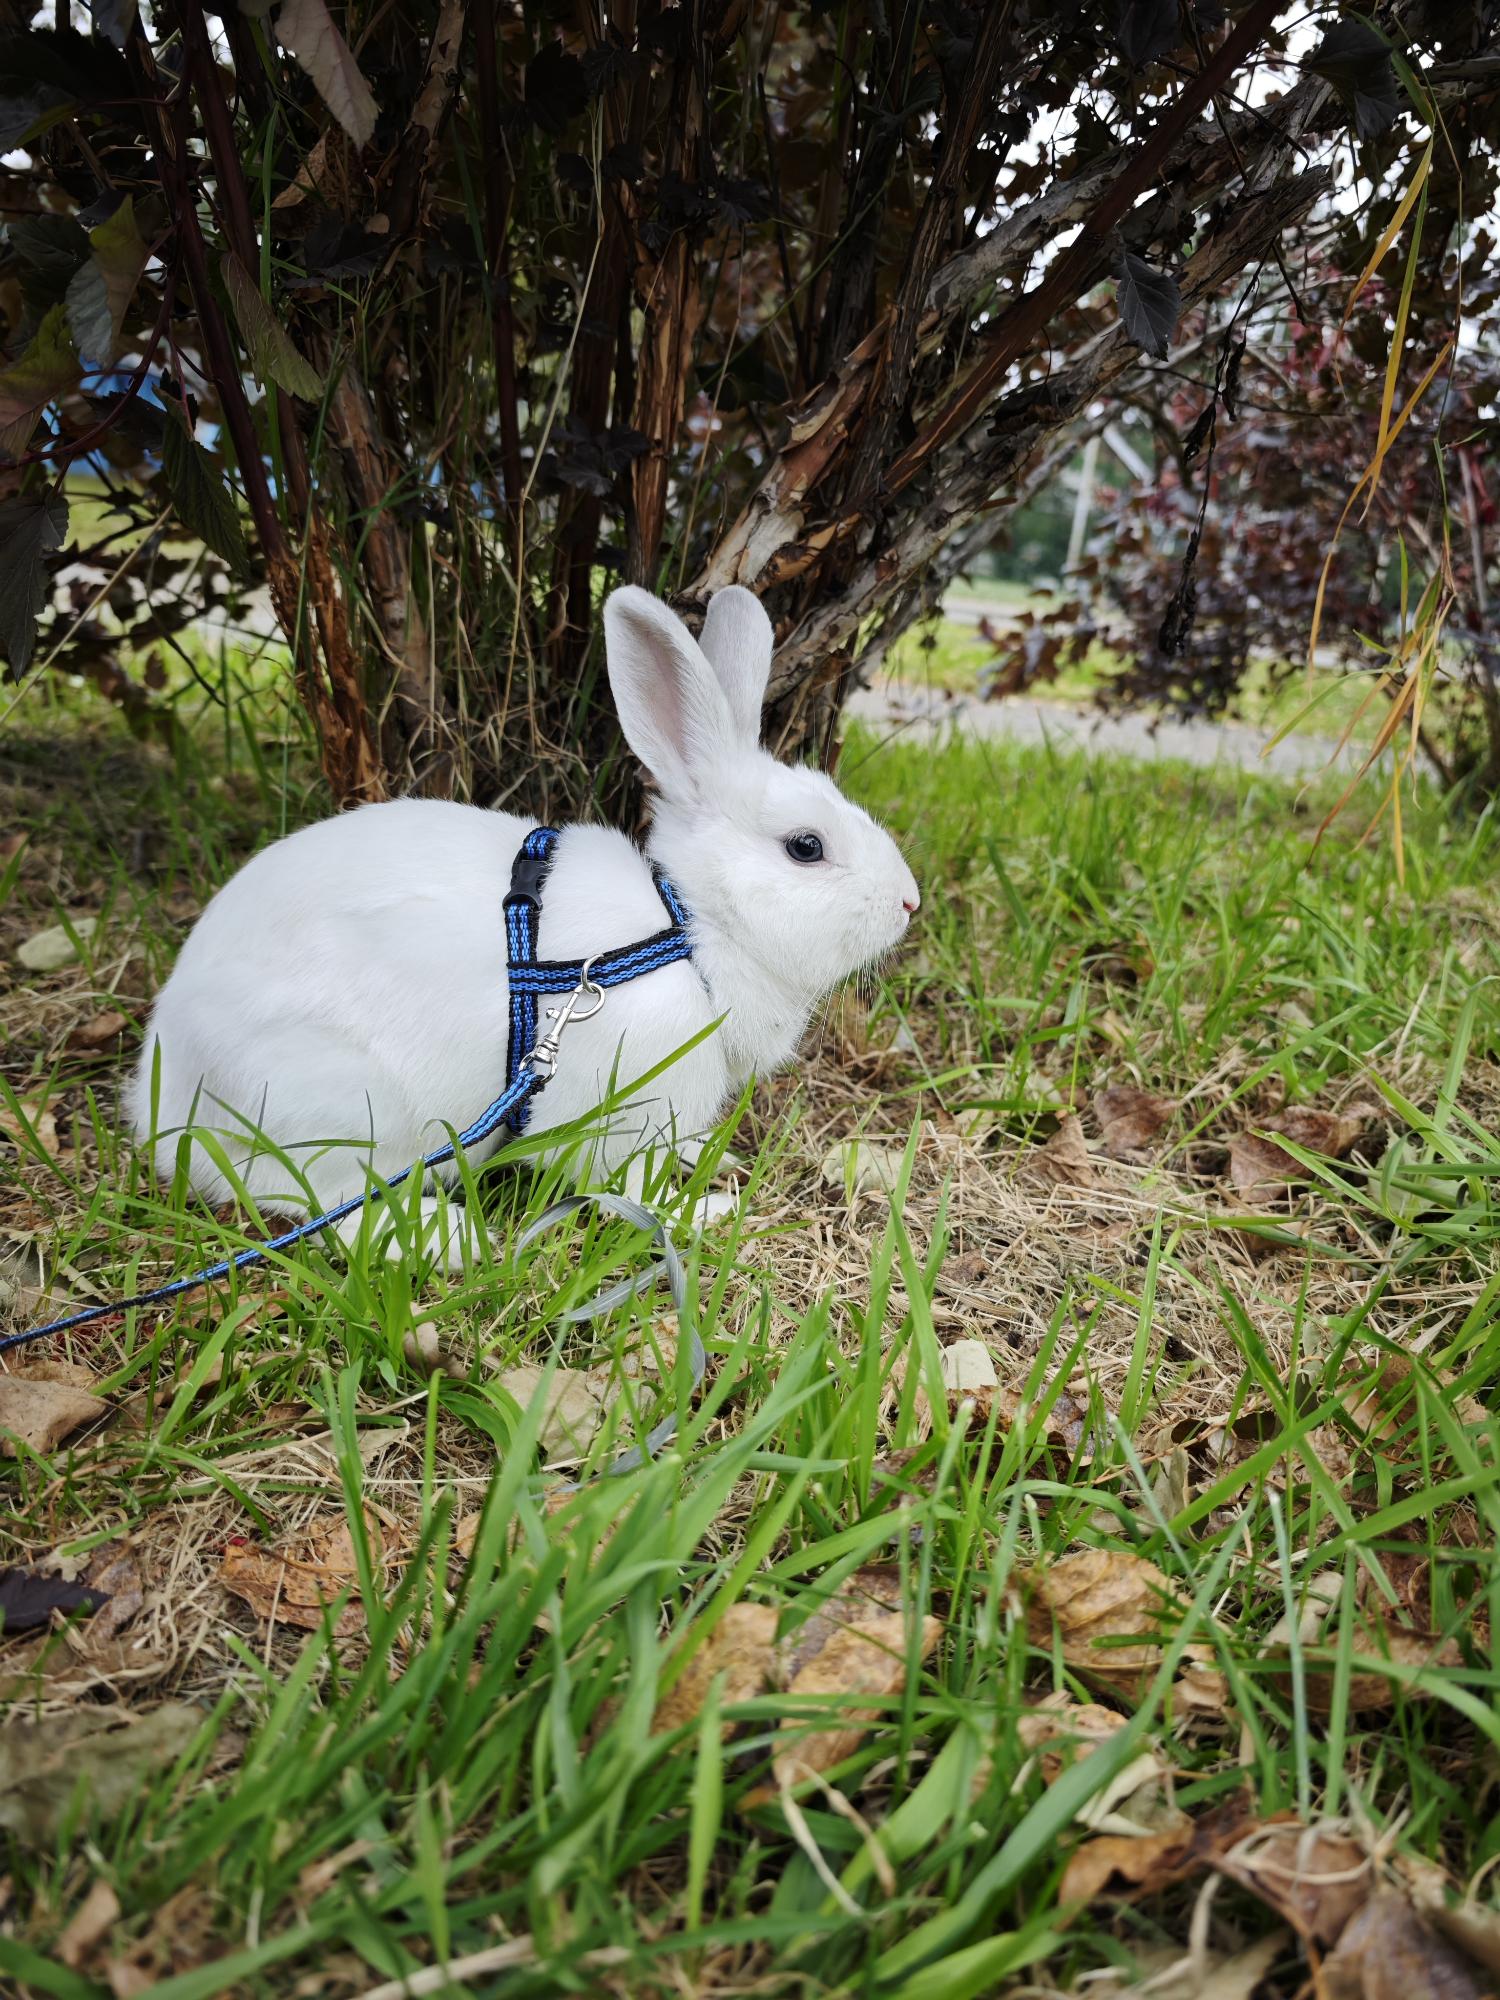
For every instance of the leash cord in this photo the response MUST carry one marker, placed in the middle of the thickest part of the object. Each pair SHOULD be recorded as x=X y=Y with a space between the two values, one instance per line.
x=514 y=1093
x=524 y=1085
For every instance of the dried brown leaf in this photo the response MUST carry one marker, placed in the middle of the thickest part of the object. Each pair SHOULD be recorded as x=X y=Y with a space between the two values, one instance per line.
x=296 y=1588
x=573 y=1410
x=32 y=1122
x=101 y=1032
x=1315 y=1878
x=1259 y=1170
x=1064 y=1159
x=854 y=1646
x=1382 y=1397
x=89 y=1924
x=741 y=1647
x=424 y=1350
x=1331 y=1133
x=1386 y=1952
x=1211 y=1975
x=1121 y=962
x=108 y=1753
x=332 y=172
x=39 y=1414
x=1375 y=1640
x=1130 y=1866
x=1473 y=1926
x=307 y=29
x=114 y=1570
x=970 y=1376
x=1112 y=1613
x=1064 y=1730
x=1131 y=1120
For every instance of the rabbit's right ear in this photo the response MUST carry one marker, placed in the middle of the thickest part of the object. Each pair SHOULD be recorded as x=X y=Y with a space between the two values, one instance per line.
x=671 y=708
x=737 y=639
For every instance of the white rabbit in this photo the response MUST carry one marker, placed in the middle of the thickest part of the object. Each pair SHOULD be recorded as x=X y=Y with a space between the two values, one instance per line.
x=344 y=995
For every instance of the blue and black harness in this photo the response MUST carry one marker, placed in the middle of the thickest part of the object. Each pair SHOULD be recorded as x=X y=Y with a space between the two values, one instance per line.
x=529 y=1063
x=532 y=978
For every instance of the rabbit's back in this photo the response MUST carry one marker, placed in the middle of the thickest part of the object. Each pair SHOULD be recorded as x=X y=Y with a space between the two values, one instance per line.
x=349 y=984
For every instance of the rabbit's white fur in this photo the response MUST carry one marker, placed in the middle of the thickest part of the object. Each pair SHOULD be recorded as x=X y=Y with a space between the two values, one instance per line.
x=345 y=993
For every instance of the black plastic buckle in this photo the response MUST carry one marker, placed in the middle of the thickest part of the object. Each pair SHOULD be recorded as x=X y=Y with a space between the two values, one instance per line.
x=527 y=874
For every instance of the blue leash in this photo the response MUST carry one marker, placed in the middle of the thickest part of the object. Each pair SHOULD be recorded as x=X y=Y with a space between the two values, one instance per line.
x=516 y=1093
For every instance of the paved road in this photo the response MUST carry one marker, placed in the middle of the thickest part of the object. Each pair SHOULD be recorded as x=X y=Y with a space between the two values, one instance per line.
x=893 y=707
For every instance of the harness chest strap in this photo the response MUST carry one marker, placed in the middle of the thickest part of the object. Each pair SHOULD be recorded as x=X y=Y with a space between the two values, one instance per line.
x=532 y=978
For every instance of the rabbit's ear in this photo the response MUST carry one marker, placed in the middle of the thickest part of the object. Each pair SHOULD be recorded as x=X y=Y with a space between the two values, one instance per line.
x=672 y=710
x=737 y=639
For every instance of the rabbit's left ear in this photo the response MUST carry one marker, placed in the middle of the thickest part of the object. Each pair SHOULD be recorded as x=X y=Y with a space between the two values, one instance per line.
x=737 y=639
x=673 y=711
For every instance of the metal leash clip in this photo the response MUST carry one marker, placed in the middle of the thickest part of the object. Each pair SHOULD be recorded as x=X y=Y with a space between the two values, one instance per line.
x=542 y=1062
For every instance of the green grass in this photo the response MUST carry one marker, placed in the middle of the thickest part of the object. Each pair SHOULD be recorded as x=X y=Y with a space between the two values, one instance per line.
x=476 y=1772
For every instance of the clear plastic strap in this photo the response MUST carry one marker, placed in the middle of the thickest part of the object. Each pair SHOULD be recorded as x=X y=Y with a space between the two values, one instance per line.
x=670 y=1261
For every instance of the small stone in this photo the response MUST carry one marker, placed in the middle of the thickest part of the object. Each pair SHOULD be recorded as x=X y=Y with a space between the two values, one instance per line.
x=49 y=950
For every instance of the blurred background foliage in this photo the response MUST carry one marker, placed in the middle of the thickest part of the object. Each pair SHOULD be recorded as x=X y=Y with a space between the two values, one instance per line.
x=400 y=333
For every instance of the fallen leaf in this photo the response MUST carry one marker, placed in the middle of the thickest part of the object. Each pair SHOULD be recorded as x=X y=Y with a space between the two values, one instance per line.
x=855 y=1645
x=573 y=1410
x=331 y=171
x=89 y=1924
x=1378 y=1639
x=1129 y=1866
x=1331 y=1133
x=970 y=1378
x=1167 y=1974
x=1131 y=1120
x=1382 y=1396
x=99 y=1033
x=28 y=1600
x=113 y=1570
x=1258 y=1167
x=307 y=29
x=1064 y=1730
x=1112 y=1613
x=39 y=1414
x=182 y=1936
x=296 y=1588
x=424 y=1349
x=1313 y=1877
x=110 y=1754
x=1474 y=1927
x=25 y=1292
x=967 y=1366
x=1137 y=1800
x=741 y=1647
x=50 y=950
x=859 y=1166
x=1260 y=1171
x=31 y=1124
x=79 y=1667
x=1386 y=1952
x=1064 y=1159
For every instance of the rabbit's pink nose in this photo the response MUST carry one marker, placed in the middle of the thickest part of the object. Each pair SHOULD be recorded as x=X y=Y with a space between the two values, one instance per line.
x=912 y=903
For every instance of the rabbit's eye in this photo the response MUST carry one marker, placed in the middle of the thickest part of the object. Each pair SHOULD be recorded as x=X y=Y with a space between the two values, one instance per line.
x=804 y=847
